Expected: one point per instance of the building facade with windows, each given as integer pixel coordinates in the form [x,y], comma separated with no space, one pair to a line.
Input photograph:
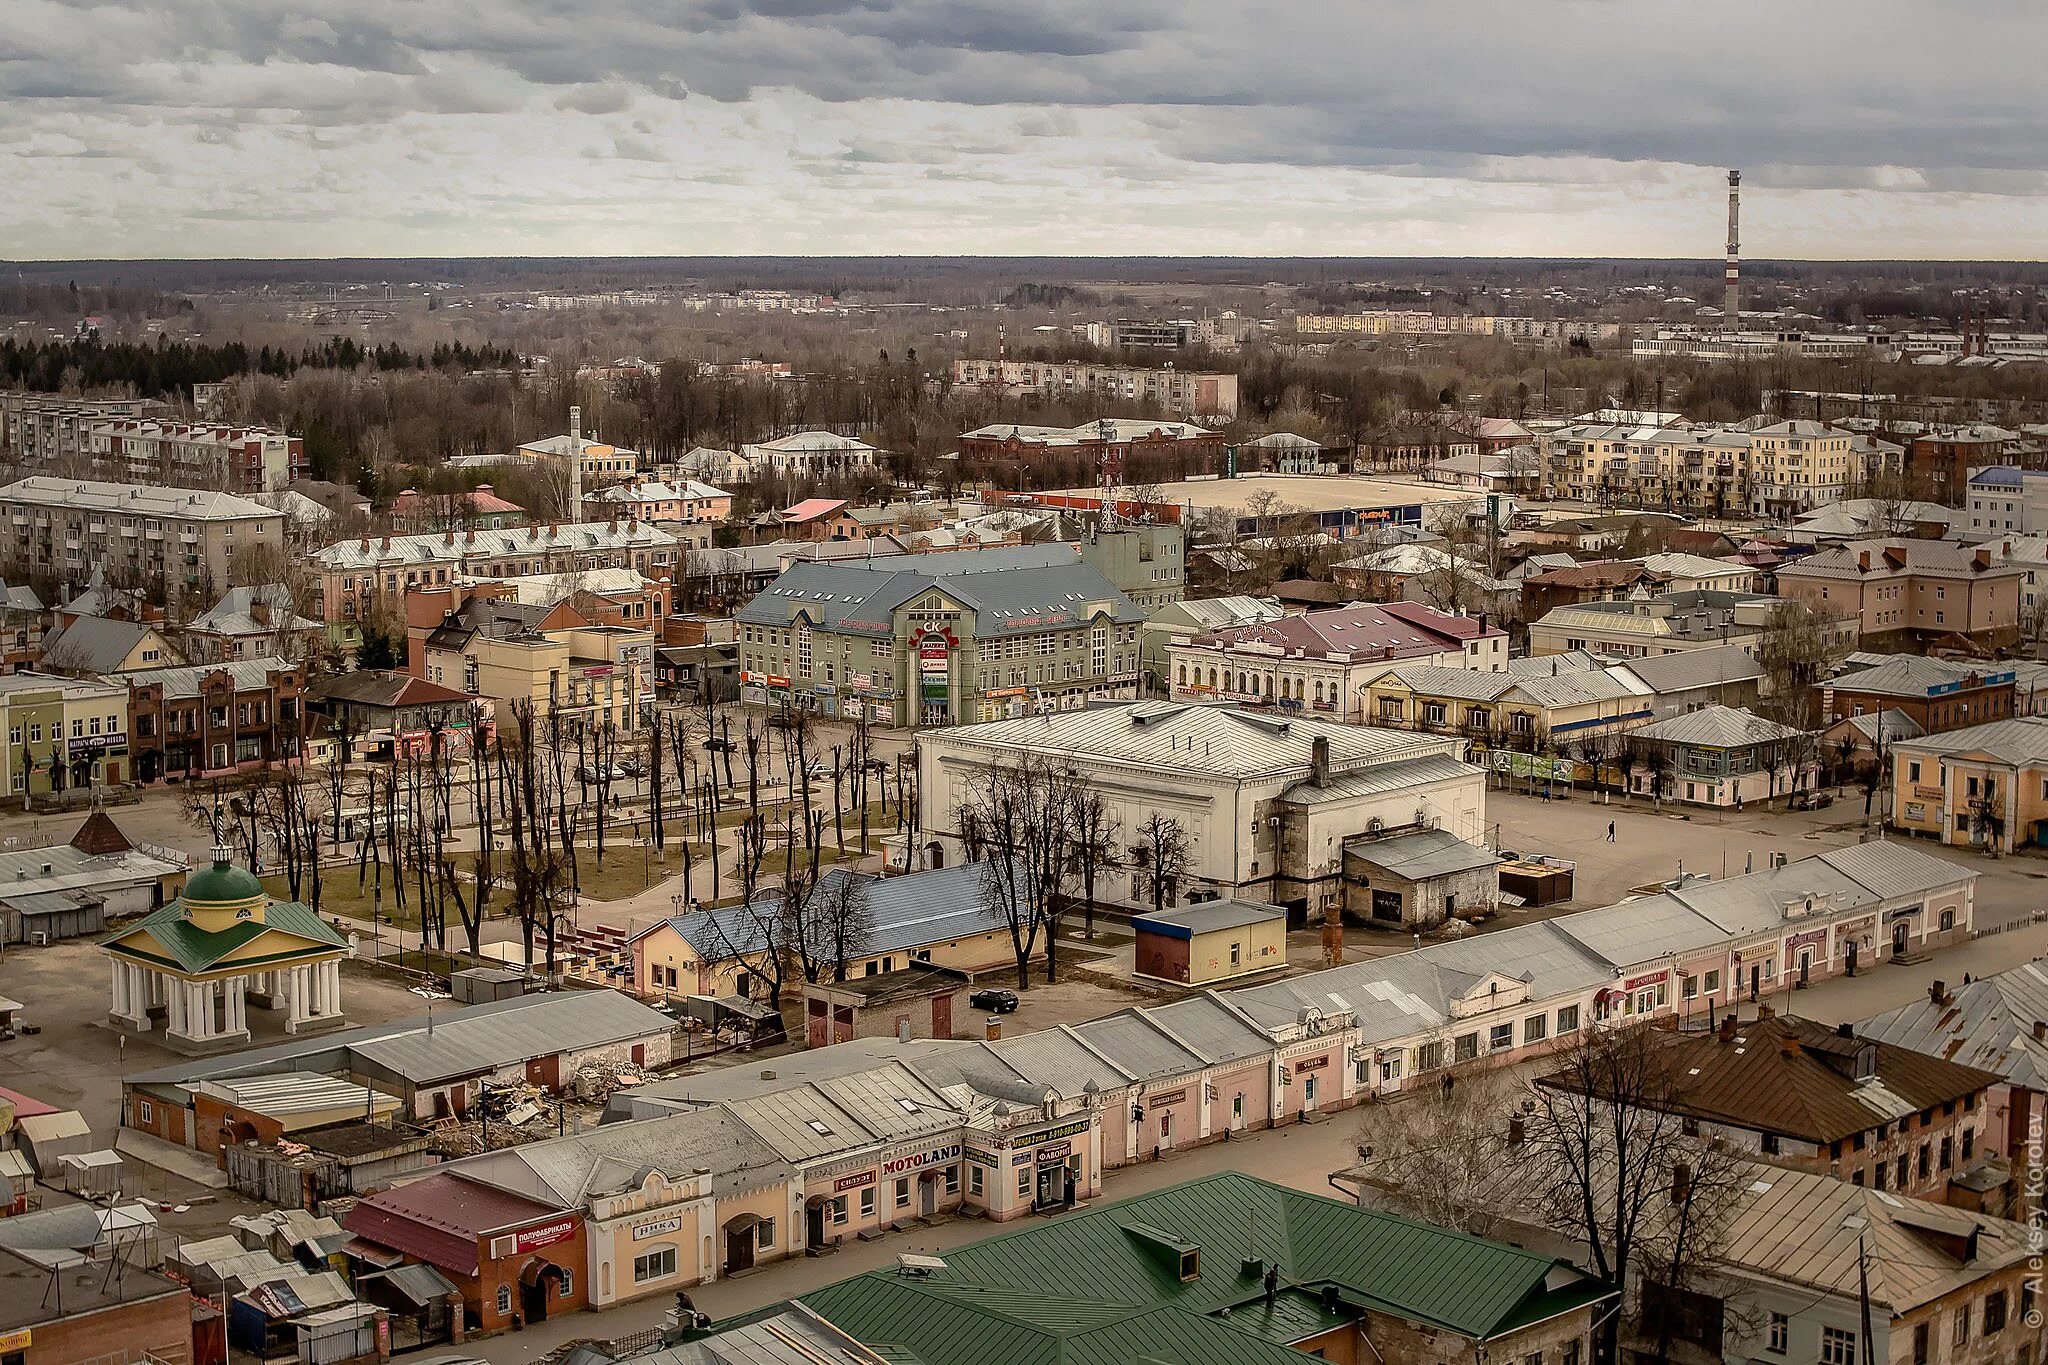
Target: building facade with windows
[62,734]
[1322,662]
[214,720]
[185,541]
[1910,594]
[939,639]
[175,454]
[1186,391]
[363,578]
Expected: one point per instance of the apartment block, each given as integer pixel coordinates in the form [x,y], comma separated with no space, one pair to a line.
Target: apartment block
[38,429]
[1780,470]
[1185,391]
[237,459]
[185,540]
[1910,594]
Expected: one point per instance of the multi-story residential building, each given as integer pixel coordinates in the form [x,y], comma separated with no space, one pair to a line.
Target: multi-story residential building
[2006,501]
[218,455]
[1779,470]
[1797,466]
[62,733]
[47,430]
[1183,391]
[685,503]
[1414,322]
[1111,447]
[1795,1093]
[1934,694]
[1146,563]
[1906,593]
[1322,661]
[1938,463]
[214,720]
[1984,786]
[811,455]
[364,577]
[476,508]
[183,540]
[940,639]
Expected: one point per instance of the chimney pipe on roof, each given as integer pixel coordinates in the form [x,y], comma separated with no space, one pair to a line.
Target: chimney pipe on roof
[1789,1046]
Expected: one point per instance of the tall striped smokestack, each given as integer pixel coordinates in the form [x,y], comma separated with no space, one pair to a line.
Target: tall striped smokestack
[1731,302]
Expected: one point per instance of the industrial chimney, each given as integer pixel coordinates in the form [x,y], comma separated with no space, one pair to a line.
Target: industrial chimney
[576,457]
[1731,303]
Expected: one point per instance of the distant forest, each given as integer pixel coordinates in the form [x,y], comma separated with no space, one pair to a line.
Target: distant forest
[169,369]
[997,275]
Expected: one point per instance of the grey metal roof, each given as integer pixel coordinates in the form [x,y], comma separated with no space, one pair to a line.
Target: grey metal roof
[450,1043]
[1692,668]
[1890,723]
[1421,854]
[566,1171]
[1205,1024]
[94,644]
[138,500]
[1057,1059]
[804,1124]
[1012,590]
[1388,777]
[234,614]
[1718,727]
[1989,1023]
[2023,739]
[248,675]
[1222,914]
[1910,675]
[1138,1046]
[1466,684]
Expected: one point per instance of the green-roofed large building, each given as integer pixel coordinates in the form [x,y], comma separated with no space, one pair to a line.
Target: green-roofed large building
[202,957]
[1225,1269]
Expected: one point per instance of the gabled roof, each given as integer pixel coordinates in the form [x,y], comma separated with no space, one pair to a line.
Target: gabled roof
[234,614]
[1103,1286]
[383,688]
[1366,630]
[167,936]
[439,1218]
[1911,675]
[1012,590]
[96,644]
[810,509]
[1993,1022]
[2020,740]
[1419,855]
[1718,727]
[1802,1080]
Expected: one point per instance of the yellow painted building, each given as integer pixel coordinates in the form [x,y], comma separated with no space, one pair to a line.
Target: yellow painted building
[204,956]
[1503,710]
[62,734]
[1218,941]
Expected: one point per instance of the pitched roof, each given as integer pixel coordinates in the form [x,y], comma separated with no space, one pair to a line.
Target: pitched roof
[810,509]
[1993,1023]
[140,500]
[1898,554]
[94,644]
[185,680]
[1366,630]
[1691,668]
[1418,855]
[1012,590]
[1104,1284]
[439,1217]
[1601,574]
[2022,739]
[382,687]
[235,613]
[193,950]
[1911,675]
[452,547]
[1802,1080]
[1718,727]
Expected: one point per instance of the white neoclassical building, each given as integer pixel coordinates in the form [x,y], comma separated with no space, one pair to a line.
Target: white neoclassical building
[202,958]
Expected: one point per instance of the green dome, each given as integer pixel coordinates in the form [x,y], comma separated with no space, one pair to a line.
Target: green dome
[222,884]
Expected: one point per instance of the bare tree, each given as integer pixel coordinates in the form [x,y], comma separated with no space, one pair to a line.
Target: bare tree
[1160,859]
[1014,820]
[1096,831]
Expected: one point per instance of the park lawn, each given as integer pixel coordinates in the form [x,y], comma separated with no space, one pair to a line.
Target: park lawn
[620,876]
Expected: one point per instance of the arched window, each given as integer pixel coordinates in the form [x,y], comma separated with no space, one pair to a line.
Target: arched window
[1180,675]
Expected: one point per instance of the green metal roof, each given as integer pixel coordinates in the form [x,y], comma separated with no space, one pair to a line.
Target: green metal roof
[1103,1285]
[194,950]
[222,884]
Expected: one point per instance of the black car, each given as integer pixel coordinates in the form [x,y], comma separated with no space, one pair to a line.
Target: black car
[995,1001]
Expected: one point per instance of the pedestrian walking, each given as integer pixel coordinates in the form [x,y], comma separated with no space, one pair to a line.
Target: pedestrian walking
[1610,831]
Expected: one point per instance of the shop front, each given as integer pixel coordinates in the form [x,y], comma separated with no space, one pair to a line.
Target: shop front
[1806,956]
[1034,1169]
[1856,943]
[656,1238]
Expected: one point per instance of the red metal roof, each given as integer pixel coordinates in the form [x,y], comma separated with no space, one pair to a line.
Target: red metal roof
[810,509]
[1391,630]
[439,1219]
[25,1107]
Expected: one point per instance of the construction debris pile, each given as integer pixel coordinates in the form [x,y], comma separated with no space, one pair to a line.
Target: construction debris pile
[509,1114]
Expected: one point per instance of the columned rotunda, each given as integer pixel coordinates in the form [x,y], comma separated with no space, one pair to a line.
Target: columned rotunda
[205,956]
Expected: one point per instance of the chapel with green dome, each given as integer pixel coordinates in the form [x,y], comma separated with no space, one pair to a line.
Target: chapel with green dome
[205,956]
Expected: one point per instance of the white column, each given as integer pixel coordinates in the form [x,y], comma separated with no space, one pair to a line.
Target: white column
[315,1006]
[296,988]
[198,1010]
[334,986]
[118,985]
[234,989]
[174,1010]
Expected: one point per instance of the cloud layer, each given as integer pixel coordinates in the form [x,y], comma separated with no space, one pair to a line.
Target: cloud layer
[1585,127]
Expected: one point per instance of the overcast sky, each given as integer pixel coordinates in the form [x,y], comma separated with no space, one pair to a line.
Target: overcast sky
[203,128]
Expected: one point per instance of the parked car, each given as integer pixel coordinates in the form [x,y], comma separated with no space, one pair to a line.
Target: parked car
[995,1000]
